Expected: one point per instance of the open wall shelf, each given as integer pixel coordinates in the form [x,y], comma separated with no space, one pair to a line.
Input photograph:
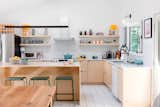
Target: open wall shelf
[99,36]
[104,44]
[36,36]
[99,40]
[25,45]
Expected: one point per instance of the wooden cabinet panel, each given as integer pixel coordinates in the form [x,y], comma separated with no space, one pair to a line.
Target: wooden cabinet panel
[84,71]
[95,71]
[105,77]
[4,72]
[109,75]
[2,77]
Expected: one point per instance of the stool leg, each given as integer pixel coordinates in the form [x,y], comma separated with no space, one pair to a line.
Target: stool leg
[25,82]
[29,82]
[33,82]
[11,83]
[72,90]
[56,90]
[49,83]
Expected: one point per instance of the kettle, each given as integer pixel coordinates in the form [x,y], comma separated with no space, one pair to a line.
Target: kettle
[124,52]
[109,54]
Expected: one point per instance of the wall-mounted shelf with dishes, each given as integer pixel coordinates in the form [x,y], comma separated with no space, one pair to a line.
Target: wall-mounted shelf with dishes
[99,36]
[64,38]
[25,45]
[103,44]
[36,36]
[35,40]
[99,40]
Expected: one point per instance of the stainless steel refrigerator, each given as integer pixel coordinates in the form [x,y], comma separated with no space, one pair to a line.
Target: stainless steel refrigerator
[7,46]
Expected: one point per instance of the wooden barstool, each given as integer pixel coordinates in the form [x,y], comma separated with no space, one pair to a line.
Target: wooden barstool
[68,78]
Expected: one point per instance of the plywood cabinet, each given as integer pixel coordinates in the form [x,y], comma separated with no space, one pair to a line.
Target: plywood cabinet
[108,74]
[84,71]
[105,77]
[4,72]
[92,71]
[95,71]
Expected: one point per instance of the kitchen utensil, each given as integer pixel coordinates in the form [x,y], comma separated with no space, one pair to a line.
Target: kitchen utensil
[33,31]
[124,52]
[80,33]
[94,57]
[104,56]
[90,32]
[67,56]
[109,54]
[99,33]
[118,54]
[85,32]
[45,31]
[24,61]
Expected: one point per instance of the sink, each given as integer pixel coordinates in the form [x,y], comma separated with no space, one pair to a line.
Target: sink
[119,62]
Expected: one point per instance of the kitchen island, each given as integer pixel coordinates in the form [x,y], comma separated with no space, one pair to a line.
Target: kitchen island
[51,69]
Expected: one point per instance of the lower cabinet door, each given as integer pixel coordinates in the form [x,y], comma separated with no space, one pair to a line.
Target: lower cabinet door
[84,71]
[109,75]
[95,71]
[105,77]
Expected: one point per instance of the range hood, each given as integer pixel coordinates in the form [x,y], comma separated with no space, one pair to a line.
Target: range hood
[64,34]
[64,38]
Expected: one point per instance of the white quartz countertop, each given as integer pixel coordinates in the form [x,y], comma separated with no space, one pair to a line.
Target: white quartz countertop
[41,64]
[125,65]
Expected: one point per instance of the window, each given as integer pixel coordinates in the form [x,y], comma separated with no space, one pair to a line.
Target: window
[134,38]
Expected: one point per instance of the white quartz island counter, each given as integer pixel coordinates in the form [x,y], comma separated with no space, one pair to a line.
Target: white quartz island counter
[50,69]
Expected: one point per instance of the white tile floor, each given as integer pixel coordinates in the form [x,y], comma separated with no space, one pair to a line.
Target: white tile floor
[92,96]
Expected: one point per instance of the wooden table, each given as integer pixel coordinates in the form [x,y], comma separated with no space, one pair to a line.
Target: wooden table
[26,96]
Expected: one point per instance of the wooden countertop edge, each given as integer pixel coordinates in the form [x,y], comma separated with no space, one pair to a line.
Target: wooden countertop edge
[50,65]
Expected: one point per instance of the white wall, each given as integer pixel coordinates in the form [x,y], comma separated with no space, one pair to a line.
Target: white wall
[82,15]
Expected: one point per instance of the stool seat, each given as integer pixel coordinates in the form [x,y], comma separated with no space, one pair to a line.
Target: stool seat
[39,78]
[15,78]
[64,78]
